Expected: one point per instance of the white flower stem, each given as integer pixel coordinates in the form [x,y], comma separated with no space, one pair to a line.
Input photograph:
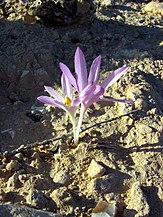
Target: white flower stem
[77,132]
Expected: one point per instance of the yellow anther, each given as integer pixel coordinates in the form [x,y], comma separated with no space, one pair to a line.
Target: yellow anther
[67,101]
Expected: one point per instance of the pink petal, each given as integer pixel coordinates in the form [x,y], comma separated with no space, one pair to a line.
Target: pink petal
[87,92]
[66,86]
[66,71]
[54,93]
[91,94]
[99,91]
[111,79]
[50,101]
[76,102]
[94,71]
[80,69]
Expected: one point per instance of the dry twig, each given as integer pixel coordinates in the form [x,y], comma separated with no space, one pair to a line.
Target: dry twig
[63,137]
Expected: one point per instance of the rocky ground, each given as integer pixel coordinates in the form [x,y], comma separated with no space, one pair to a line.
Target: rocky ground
[118,161]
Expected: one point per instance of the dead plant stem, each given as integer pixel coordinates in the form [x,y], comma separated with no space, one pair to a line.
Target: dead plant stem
[63,137]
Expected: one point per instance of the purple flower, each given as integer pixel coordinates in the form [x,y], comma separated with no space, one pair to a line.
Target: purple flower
[65,101]
[89,91]
[87,84]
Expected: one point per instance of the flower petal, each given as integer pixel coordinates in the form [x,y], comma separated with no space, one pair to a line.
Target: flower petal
[87,92]
[50,101]
[66,71]
[76,102]
[91,94]
[116,100]
[54,93]
[99,91]
[66,87]
[111,79]
[80,69]
[94,71]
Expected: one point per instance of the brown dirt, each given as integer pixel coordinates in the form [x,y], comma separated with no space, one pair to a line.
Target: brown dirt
[54,175]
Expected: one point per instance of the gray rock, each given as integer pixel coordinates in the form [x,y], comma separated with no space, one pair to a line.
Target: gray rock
[49,11]
[101,185]
[63,12]
[65,200]
[23,211]
[13,182]
[2,194]
[154,7]
[62,197]
[26,80]
[36,198]
[41,76]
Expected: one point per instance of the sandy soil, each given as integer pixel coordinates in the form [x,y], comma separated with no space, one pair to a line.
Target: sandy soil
[119,160]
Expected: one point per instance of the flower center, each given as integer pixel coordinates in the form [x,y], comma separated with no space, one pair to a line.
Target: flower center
[67,101]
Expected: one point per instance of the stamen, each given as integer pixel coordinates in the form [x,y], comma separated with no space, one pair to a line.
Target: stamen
[67,101]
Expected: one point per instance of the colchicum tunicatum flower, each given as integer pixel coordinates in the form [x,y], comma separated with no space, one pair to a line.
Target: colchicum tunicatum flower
[87,84]
[65,101]
[87,87]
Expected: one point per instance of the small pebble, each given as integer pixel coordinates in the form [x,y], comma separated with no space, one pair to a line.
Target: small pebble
[100,185]
[36,198]
[119,18]
[144,129]
[135,80]
[95,170]
[62,196]
[13,182]
[13,165]
[19,156]
[23,178]
[107,3]
[62,177]
[35,164]
[140,103]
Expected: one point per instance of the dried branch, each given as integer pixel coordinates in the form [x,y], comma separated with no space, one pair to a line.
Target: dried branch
[63,137]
